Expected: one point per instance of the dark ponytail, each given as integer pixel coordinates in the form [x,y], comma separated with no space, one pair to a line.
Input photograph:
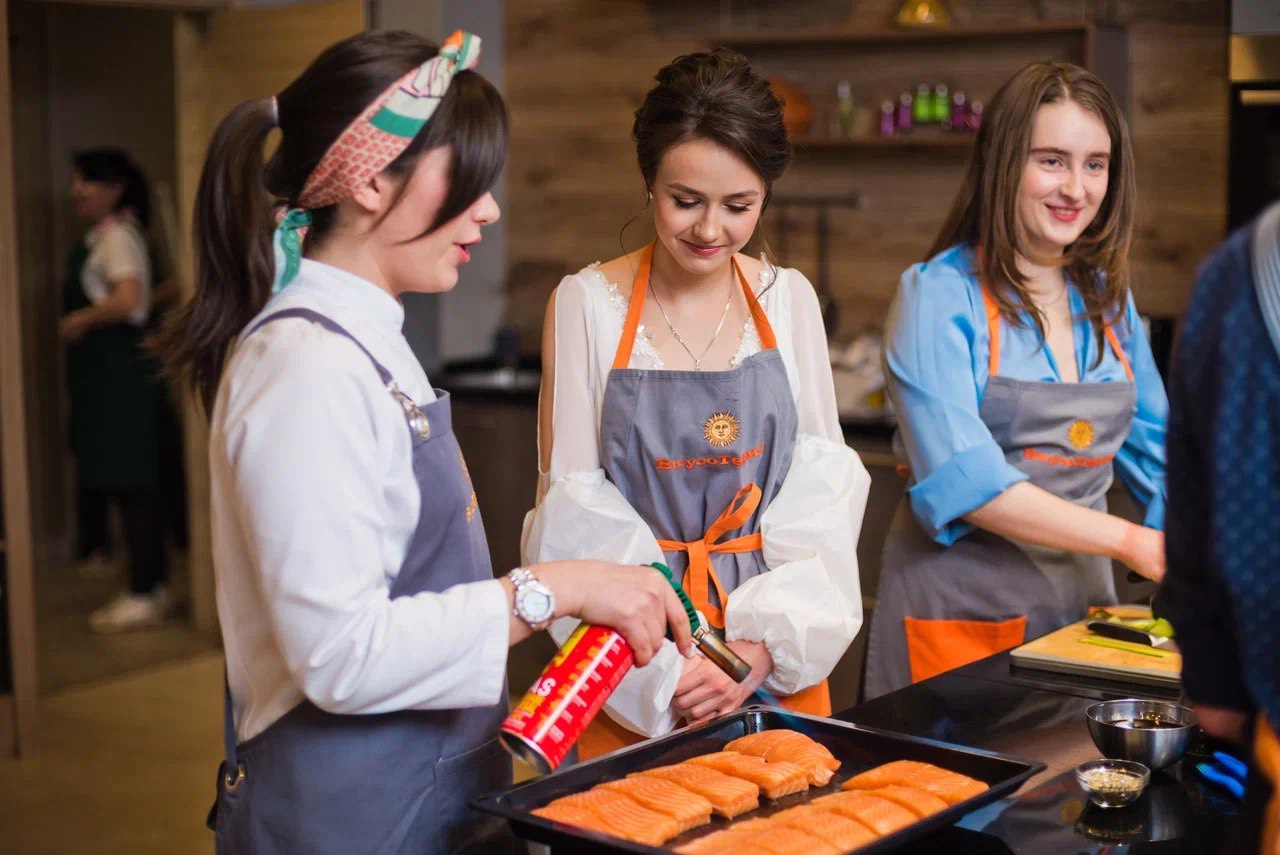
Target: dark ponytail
[232,227]
[233,222]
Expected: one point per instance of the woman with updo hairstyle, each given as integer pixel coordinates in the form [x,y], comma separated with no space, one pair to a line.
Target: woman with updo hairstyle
[366,636]
[1023,383]
[688,416]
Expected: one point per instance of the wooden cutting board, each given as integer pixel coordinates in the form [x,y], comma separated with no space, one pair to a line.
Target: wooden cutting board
[1063,652]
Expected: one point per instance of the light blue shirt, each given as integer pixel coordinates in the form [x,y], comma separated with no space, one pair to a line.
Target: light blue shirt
[936,356]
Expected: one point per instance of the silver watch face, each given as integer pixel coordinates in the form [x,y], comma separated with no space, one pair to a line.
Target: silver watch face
[535,603]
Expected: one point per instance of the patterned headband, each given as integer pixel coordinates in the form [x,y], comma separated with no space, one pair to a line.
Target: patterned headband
[371,143]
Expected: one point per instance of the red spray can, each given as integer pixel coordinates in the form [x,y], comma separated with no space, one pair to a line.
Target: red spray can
[566,697]
[588,667]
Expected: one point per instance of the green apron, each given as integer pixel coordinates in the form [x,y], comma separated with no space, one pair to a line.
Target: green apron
[114,395]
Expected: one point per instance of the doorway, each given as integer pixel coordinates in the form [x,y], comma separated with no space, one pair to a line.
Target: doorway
[154,82]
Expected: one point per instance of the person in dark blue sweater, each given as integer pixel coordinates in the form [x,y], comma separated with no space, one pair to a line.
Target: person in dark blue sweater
[1222,588]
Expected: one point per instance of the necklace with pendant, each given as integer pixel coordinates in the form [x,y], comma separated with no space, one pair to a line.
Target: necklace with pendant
[697,360]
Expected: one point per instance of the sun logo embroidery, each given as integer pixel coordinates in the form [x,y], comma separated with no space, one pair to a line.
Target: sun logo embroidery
[473,506]
[721,429]
[1080,434]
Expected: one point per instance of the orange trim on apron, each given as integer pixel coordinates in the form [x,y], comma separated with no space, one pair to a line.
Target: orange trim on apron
[1266,754]
[935,646]
[635,307]
[993,333]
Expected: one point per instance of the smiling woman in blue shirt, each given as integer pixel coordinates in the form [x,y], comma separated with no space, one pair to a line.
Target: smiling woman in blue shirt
[1023,383]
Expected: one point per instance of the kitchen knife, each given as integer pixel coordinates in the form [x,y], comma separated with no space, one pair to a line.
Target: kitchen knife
[1127,633]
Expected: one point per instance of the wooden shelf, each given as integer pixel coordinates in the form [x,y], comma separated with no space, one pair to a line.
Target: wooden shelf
[903,36]
[906,141]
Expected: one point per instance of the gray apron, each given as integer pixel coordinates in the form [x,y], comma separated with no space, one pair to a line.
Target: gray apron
[316,782]
[700,455]
[940,607]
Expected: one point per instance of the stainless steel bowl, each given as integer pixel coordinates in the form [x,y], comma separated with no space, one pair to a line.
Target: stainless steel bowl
[1111,726]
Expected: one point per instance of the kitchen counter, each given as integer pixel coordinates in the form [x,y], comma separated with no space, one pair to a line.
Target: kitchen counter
[1042,717]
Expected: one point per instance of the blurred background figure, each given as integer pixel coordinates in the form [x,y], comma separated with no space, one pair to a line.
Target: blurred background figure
[114,392]
[1224,487]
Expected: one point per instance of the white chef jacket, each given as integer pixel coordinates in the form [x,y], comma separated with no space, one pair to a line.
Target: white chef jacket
[808,608]
[314,503]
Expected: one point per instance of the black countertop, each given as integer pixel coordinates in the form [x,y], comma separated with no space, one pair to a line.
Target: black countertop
[993,706]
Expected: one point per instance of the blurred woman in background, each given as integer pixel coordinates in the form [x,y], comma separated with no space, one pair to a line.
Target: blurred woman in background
[113,389]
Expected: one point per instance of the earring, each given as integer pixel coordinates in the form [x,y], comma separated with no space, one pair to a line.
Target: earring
[650,195]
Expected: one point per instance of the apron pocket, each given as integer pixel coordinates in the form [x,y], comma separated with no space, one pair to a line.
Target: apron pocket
[464,777]
[935,646]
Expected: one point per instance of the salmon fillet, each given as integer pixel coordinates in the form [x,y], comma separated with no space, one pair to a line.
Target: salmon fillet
[729,796]
[789,746]
[757,743]
[762,743]
[790,816]
[686,807]
[843,832]
[951,787]
[575,815]
[919,802]
[624,817]
[775,780]
[733,839]
[880,815]
[787,840]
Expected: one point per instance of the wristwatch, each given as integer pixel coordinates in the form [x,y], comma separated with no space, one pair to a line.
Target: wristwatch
[535,603]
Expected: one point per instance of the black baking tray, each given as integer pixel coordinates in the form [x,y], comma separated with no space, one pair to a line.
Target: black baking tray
[857,748]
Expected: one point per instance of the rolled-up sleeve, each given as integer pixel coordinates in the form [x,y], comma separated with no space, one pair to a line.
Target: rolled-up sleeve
[1140,463]
[930,337]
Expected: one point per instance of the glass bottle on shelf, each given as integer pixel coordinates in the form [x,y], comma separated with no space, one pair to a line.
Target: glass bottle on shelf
[887,120]
[959,112]
[941,105]
[922,110]
[903,119]
[974,120]
[844,109]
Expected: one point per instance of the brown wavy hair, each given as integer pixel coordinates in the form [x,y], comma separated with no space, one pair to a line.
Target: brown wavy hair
[233,222]
[985,211]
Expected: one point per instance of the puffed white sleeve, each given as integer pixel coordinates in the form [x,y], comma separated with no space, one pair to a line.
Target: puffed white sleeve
[808,607]
[580,513]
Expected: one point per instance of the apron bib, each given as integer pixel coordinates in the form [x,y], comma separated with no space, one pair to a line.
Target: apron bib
[114,392]
[941,607]
[396,782]
[700,455]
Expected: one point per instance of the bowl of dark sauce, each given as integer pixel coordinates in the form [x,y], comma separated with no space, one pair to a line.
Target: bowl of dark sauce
[1153,733]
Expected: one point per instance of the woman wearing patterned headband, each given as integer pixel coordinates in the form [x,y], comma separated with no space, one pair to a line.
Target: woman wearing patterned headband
[366,638]
[689,415]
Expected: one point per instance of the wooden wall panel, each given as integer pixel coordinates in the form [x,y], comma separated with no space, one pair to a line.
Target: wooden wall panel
[576,74]
[19,727]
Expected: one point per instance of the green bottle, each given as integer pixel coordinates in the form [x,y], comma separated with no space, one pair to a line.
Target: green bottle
[922,107]
[941,104]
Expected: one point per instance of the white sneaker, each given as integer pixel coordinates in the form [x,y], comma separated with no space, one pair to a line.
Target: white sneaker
[131,611]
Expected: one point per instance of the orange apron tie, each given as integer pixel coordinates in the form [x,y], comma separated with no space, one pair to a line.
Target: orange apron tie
[740,509]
